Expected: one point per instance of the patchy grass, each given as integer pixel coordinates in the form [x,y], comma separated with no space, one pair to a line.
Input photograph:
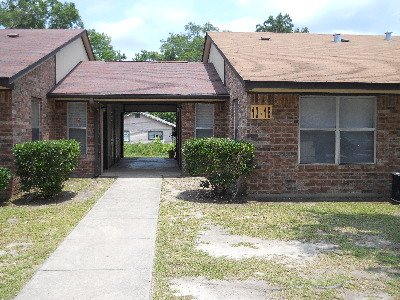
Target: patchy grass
[153,149]
[365,263]
[31,228]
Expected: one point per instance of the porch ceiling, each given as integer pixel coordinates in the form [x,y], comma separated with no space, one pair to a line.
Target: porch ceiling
[141,82]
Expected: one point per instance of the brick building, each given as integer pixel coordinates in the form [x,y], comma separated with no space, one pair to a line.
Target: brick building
[334,106]
[323,115]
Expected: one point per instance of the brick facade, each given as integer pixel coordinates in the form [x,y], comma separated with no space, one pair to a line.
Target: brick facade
[278,171]
[16,113]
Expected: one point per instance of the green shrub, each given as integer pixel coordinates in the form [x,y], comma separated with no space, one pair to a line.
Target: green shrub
[221,161]
[153,149]
[46,165]
[5,177]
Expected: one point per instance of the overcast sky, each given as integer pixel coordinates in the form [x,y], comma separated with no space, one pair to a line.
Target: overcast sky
[140,24]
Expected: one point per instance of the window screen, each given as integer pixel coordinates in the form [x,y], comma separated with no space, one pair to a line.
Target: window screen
[77,124]
[338,130]
[152,135]
[204,120]
[35,118]
[127,136]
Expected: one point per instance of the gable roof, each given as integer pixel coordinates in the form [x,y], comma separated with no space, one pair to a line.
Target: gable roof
[150,116]
[309,58]
[19,55]
[141,80]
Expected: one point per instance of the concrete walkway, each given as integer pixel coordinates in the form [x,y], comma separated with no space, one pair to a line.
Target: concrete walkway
[109,255]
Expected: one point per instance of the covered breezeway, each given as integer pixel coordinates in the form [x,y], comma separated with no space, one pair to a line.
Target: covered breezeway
[111,89]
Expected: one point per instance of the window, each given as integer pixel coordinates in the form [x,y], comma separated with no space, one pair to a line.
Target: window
[35,119]
[204,120]
[152,135]
[337,130]
[77,124]
[127,136]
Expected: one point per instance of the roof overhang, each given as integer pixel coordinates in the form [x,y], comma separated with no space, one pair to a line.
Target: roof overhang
[5,84]
[321,87]
[139,98]
[8,81]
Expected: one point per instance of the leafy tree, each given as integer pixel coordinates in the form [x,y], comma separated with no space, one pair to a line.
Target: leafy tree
[167,116]
[282,23]
[102,48]
[39,14]
[187,45]
[145,55]
[54,14]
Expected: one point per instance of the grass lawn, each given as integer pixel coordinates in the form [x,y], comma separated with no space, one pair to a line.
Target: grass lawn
[153,149]
[31,229]
[364,262]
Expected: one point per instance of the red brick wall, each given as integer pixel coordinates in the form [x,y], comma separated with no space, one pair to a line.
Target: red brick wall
[188,113]
[59,130]
[6,129]
[277,168]
[6,140]
[36,83]
[221,113]
[276,140]
[237,94]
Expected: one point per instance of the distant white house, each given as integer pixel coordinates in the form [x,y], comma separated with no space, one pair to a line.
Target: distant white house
[145,128]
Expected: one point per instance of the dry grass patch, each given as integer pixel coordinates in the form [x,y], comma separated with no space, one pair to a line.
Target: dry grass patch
[32,227]
[346,250]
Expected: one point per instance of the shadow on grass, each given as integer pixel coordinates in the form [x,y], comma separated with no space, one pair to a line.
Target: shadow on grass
[361,235]
[34,199]
[208,196]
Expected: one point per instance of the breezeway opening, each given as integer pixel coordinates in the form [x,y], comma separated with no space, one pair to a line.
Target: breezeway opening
[124,126]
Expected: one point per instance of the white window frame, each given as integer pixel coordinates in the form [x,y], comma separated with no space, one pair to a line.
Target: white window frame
[68,127]
[213,119]
[337,130]
[37,100]
[129,136]
[148,135]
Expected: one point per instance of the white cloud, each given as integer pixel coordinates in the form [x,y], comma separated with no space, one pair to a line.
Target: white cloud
[239,25]
[119,29]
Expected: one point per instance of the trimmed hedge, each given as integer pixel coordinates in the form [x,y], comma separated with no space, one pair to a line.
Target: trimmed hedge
[45,165]
[221,161]
[5,177]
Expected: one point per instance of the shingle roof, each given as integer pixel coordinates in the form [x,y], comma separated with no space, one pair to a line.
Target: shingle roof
[297,57]
[20,54]
[100,79]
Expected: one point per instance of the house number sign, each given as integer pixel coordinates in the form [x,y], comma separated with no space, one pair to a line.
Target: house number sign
[259,112]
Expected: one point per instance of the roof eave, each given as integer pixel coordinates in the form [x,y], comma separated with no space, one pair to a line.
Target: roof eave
[23,72]
[321,87]
[5,83]
[63,96]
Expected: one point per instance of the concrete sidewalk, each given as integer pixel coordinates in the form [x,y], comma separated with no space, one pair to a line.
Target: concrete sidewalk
[109,255]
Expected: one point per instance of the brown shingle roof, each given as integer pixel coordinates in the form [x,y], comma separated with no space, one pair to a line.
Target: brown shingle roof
[298,57]
[100,79]
[19,54]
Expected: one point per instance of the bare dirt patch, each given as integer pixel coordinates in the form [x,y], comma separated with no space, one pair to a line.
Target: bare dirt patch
[358,295]
[218,243]
[201,288]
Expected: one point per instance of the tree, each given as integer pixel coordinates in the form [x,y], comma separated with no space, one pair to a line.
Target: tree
[167,116]
[282,23]
[39,14]
[187,45]
[54,14]
[102,48]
